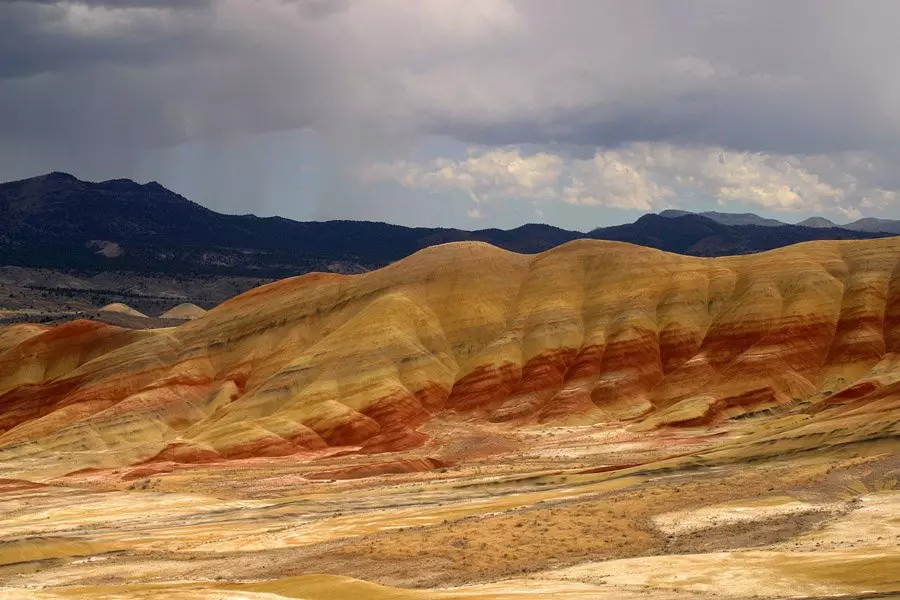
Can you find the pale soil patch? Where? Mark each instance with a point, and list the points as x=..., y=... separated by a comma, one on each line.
x=856, y=553
x=740, y=511
x=327, y=587
x=55, y=511
x=873, y=523
x=748, y=574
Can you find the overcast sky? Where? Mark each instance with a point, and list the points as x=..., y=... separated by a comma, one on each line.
x=470, y=113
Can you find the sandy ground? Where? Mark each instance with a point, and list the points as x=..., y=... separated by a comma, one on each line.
x=531, y=514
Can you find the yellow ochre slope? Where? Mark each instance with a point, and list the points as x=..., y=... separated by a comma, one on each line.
x=587, y=332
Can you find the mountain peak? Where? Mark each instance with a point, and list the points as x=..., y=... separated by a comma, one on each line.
x=817, y=222
x=54, y=180
x=873, y=224
x=671, y=213
x=725, y=218
x=121, y=182
x=58, y=176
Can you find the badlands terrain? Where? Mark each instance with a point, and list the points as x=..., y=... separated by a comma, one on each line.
x=601, y=420
x=29, y=295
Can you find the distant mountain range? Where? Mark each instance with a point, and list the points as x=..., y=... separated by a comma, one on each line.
x=872, y=224
x=867, y=224
x=727, y=218
x=58, y=221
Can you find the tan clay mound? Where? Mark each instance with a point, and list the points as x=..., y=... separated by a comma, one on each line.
x=589, y=332
x=186, y=311
x=118, y=307
x=13, y=335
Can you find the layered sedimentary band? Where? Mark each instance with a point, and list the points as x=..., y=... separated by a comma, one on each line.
x=587, y=332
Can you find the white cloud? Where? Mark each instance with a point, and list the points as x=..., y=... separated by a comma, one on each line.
x=483, y=176
x=612, y=179
x=772, y=181
x=650, y=176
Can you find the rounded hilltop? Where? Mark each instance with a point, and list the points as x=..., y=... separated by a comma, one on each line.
x=119, y=307
x=185, y=311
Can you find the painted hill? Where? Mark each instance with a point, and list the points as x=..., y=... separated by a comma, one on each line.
x=185, y=311
x=119, y=307
x=58, y=221
x=589, y=332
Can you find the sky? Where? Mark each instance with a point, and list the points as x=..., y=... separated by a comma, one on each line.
x=464, y=113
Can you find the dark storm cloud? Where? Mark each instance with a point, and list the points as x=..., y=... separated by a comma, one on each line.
x=791, y=77
x=746, y=120
x=115, y=76
x=119, y=3
x=320, y=8
x=801, y=77
x=38, y=38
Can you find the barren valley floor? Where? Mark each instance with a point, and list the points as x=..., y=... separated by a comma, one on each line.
x=528, y=520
